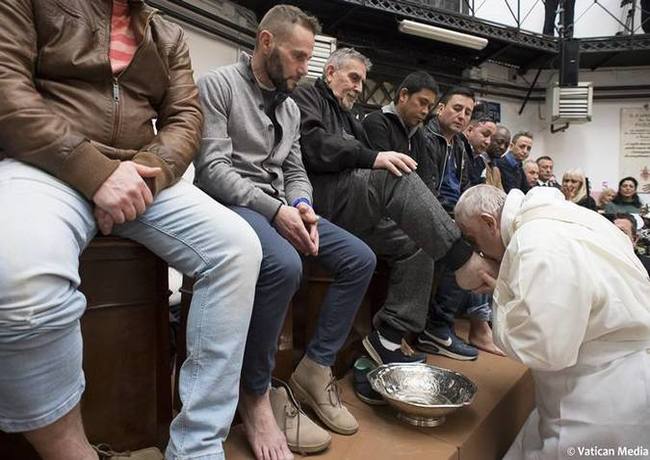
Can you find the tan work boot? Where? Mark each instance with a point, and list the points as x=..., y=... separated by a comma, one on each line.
x=303, y=435
x=315, y=386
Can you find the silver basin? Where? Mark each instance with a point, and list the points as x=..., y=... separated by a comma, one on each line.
x=422, y=394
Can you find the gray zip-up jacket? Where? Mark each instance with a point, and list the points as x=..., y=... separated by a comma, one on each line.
x=239, y=162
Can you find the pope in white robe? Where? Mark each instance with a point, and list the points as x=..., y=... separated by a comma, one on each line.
x=572, y=302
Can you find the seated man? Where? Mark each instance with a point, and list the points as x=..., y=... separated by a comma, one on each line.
x=78, y=152
x=499, y=143
x=375, y=195
x=627, y=224
x=511, y=163
x=477, y=137
x=398, y=126
x=250, y=159
x=531, y=172
x=457, y=170
x=571, y=303
x=546, y=176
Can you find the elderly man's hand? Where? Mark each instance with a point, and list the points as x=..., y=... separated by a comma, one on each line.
x=474, y=274
x=395, y=162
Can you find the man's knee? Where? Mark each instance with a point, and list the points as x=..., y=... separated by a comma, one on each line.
x=239, y=245
x=284, y=266
x=37, y=277
x=364, y=260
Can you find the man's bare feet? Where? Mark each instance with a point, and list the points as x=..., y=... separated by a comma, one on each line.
x=264, y=436
x=480, y=336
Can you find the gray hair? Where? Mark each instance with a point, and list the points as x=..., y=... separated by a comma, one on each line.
x=478, y=200
x=529, y=162
x=342, y=55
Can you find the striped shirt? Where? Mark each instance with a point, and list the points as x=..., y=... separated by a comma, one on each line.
x=123, y=44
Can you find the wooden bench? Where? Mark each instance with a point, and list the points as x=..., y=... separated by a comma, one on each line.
x=127, y=402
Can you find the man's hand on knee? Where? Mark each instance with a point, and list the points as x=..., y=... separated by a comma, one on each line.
x=395, y=162
x=125, y=195
x=291, y=226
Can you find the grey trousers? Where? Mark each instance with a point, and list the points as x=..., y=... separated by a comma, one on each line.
x=399, y=218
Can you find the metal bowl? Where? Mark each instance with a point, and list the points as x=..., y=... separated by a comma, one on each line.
x=422, y=394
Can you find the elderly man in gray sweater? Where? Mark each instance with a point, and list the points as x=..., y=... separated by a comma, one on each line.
x=250, y=159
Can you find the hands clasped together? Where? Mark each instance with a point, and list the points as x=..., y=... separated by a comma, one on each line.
x=299, y=226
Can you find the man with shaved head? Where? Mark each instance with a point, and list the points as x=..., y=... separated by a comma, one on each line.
x=250, y=159
x=499, y=142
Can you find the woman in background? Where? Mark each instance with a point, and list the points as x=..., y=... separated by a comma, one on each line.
x=574, y=187
x=626, y=199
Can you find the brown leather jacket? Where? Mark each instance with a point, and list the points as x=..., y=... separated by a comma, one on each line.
x=62, y=110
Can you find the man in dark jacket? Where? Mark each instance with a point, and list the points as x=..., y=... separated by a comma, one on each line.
x=365, y=190
x=511, y=163
x=398, y=125
x=476, y=139
x=443, y=131
x=78, y=154
x=447, y=146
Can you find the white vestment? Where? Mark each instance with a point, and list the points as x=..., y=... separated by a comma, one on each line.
x=572, y=302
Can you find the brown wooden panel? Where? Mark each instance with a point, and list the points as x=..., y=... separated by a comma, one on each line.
x=127, y=402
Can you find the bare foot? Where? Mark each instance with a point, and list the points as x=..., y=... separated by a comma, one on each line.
x=264, y=436
x=480, y=336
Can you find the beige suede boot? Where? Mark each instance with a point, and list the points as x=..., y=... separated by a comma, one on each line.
x=303, y=435
x=315, y=386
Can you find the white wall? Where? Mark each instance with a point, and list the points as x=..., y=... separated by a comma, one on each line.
x=208, y=51
x=591, y=20
x=594, y=146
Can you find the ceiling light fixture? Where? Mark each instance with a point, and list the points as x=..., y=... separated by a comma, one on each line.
x=442, y=35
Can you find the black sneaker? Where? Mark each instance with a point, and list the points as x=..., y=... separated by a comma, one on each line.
x=443, y=341
x=362, y=387
x=382, y=355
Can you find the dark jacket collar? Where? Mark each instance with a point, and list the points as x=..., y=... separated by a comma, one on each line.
x=325, y=90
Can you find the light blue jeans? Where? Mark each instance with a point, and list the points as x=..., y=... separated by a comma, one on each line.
x=44, y=227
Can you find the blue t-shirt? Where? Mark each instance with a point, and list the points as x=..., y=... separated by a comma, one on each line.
x=450, y=187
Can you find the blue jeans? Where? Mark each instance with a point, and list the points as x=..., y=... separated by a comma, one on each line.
x=346, y=257
x=46, y=225
x=450, y=300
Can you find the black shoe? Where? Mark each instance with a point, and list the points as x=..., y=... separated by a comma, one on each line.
x=382, y=355
x=443, y=341
x=362, y=387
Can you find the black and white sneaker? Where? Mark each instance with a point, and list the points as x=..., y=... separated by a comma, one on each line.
x=382, y=355
x=443, y=341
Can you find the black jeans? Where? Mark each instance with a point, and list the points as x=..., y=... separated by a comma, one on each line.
x=550, y=7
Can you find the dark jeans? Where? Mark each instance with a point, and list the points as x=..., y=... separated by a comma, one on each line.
x=346, y=257
x=550, y=7
x=450, y=300
x=645, y=16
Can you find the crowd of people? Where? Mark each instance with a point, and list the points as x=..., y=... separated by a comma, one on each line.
x=283, y=172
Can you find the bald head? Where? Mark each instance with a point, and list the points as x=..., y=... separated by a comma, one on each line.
x=499, y=143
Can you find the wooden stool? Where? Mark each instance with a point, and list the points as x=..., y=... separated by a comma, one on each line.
x=127, y=401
